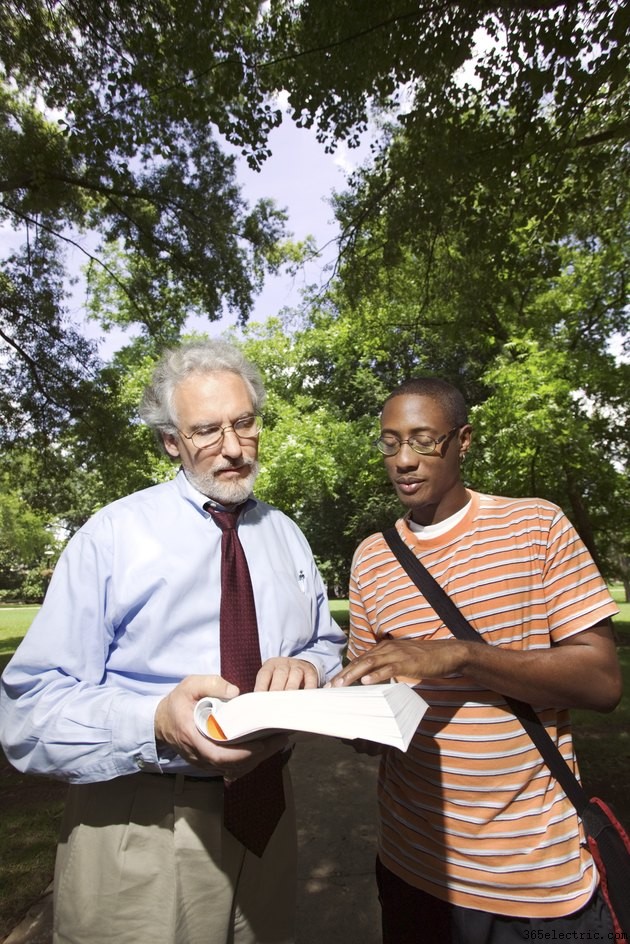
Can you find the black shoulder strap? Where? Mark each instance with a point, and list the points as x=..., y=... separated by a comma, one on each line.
x=455, y=620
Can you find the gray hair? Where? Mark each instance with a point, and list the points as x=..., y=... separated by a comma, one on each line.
x=196, y=357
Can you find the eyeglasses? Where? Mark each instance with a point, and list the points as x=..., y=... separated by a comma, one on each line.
x=425, y=445
x=245, y=427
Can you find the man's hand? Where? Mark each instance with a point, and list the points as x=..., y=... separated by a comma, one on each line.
x=175, y=726
x=407, y=658
x=282, y=673
x=579, y=672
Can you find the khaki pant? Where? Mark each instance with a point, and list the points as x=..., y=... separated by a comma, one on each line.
x=145, y=858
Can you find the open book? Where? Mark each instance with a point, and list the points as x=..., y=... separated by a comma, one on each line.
x=388, y=714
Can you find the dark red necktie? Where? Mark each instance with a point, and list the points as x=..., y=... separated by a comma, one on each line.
x=254, y=803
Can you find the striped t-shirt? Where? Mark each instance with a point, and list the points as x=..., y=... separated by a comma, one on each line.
x=470, y=813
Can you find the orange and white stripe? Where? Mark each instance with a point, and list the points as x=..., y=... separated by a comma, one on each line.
x=470, y=813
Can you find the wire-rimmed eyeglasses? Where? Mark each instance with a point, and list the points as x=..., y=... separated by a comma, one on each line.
x=245, y=427
x=389, y=445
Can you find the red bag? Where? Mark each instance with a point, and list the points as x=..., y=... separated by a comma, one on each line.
x=609, y=844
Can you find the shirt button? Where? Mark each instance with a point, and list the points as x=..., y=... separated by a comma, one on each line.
x=140, y=762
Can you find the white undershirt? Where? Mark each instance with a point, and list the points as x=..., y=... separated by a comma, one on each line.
x=425, y=532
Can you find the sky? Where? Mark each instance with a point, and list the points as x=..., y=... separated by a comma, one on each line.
x=300, y=177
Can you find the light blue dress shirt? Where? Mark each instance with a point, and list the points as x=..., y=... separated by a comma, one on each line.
x=133, y=608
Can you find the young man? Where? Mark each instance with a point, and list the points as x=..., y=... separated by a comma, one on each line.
x=477, y=843
x=137, y=625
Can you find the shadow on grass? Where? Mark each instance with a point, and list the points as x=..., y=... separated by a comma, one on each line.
x=29, y=826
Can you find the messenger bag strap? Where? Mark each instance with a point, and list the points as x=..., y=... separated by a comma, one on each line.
x=459, y=626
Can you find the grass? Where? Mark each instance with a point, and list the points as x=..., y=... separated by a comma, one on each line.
x=340, y=612
x=602, y=742
x=14, y=621
x=32, y=806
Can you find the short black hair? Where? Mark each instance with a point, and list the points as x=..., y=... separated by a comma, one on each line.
x=448, y=396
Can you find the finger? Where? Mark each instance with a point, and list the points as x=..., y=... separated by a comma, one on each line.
x=280, y=678
x=256, y=748
x=229, y=760
x=264, y=677
x=221, y=688
x=378, y=676
x=198, y=686
x=354, y=671
x=297, y=676
x=310, y=676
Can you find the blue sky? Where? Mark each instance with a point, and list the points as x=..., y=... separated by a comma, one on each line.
x=300, y=177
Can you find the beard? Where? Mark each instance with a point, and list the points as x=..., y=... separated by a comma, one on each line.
x=227, y=493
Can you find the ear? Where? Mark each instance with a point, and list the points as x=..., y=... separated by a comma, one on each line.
x=465, y=440
x=171, y=444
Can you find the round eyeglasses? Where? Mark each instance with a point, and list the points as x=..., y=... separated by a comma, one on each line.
x=245, y=427
x=425, y=445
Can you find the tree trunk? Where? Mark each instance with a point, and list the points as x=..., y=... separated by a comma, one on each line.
x=581, y=517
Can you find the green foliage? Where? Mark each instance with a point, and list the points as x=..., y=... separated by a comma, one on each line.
x=539, y=433
x=317, y=464
x=109, y=121
x=511, y=139
x=27, y=547
x=487, y=242
x=46, y=363
x=346, y=57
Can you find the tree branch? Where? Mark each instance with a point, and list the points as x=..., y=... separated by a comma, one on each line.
x=76, y=245
x=619, y=131
x=33, y=370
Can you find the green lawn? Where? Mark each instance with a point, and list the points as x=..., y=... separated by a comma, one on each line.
x=14, y=621
x=622, y=621
x=31, y=808
x=339, y=612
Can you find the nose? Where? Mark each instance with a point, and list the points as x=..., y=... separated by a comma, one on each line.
x=406, y=457
x=231, y=445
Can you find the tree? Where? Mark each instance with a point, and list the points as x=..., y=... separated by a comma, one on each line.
x=490, y=235
x=339, y=60
x=522, y=323
x=487, y=242
x=538, y=433
x=28, y=547
x=317, y=464
x=46, y=362
x=495, y=106
x=110, y=117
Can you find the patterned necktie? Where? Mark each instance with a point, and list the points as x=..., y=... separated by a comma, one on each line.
x=253, y=804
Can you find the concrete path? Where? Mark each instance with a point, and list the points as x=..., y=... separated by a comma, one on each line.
x=335, y=795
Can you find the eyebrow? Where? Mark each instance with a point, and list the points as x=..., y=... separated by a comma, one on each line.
x=416, y=429
x=197, y=426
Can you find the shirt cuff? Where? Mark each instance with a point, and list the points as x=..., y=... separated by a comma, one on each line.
x=133, y=731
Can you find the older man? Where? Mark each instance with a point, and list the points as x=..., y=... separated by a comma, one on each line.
x=185, y=589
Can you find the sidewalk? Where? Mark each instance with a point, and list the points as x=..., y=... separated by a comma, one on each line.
x=335, y=795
